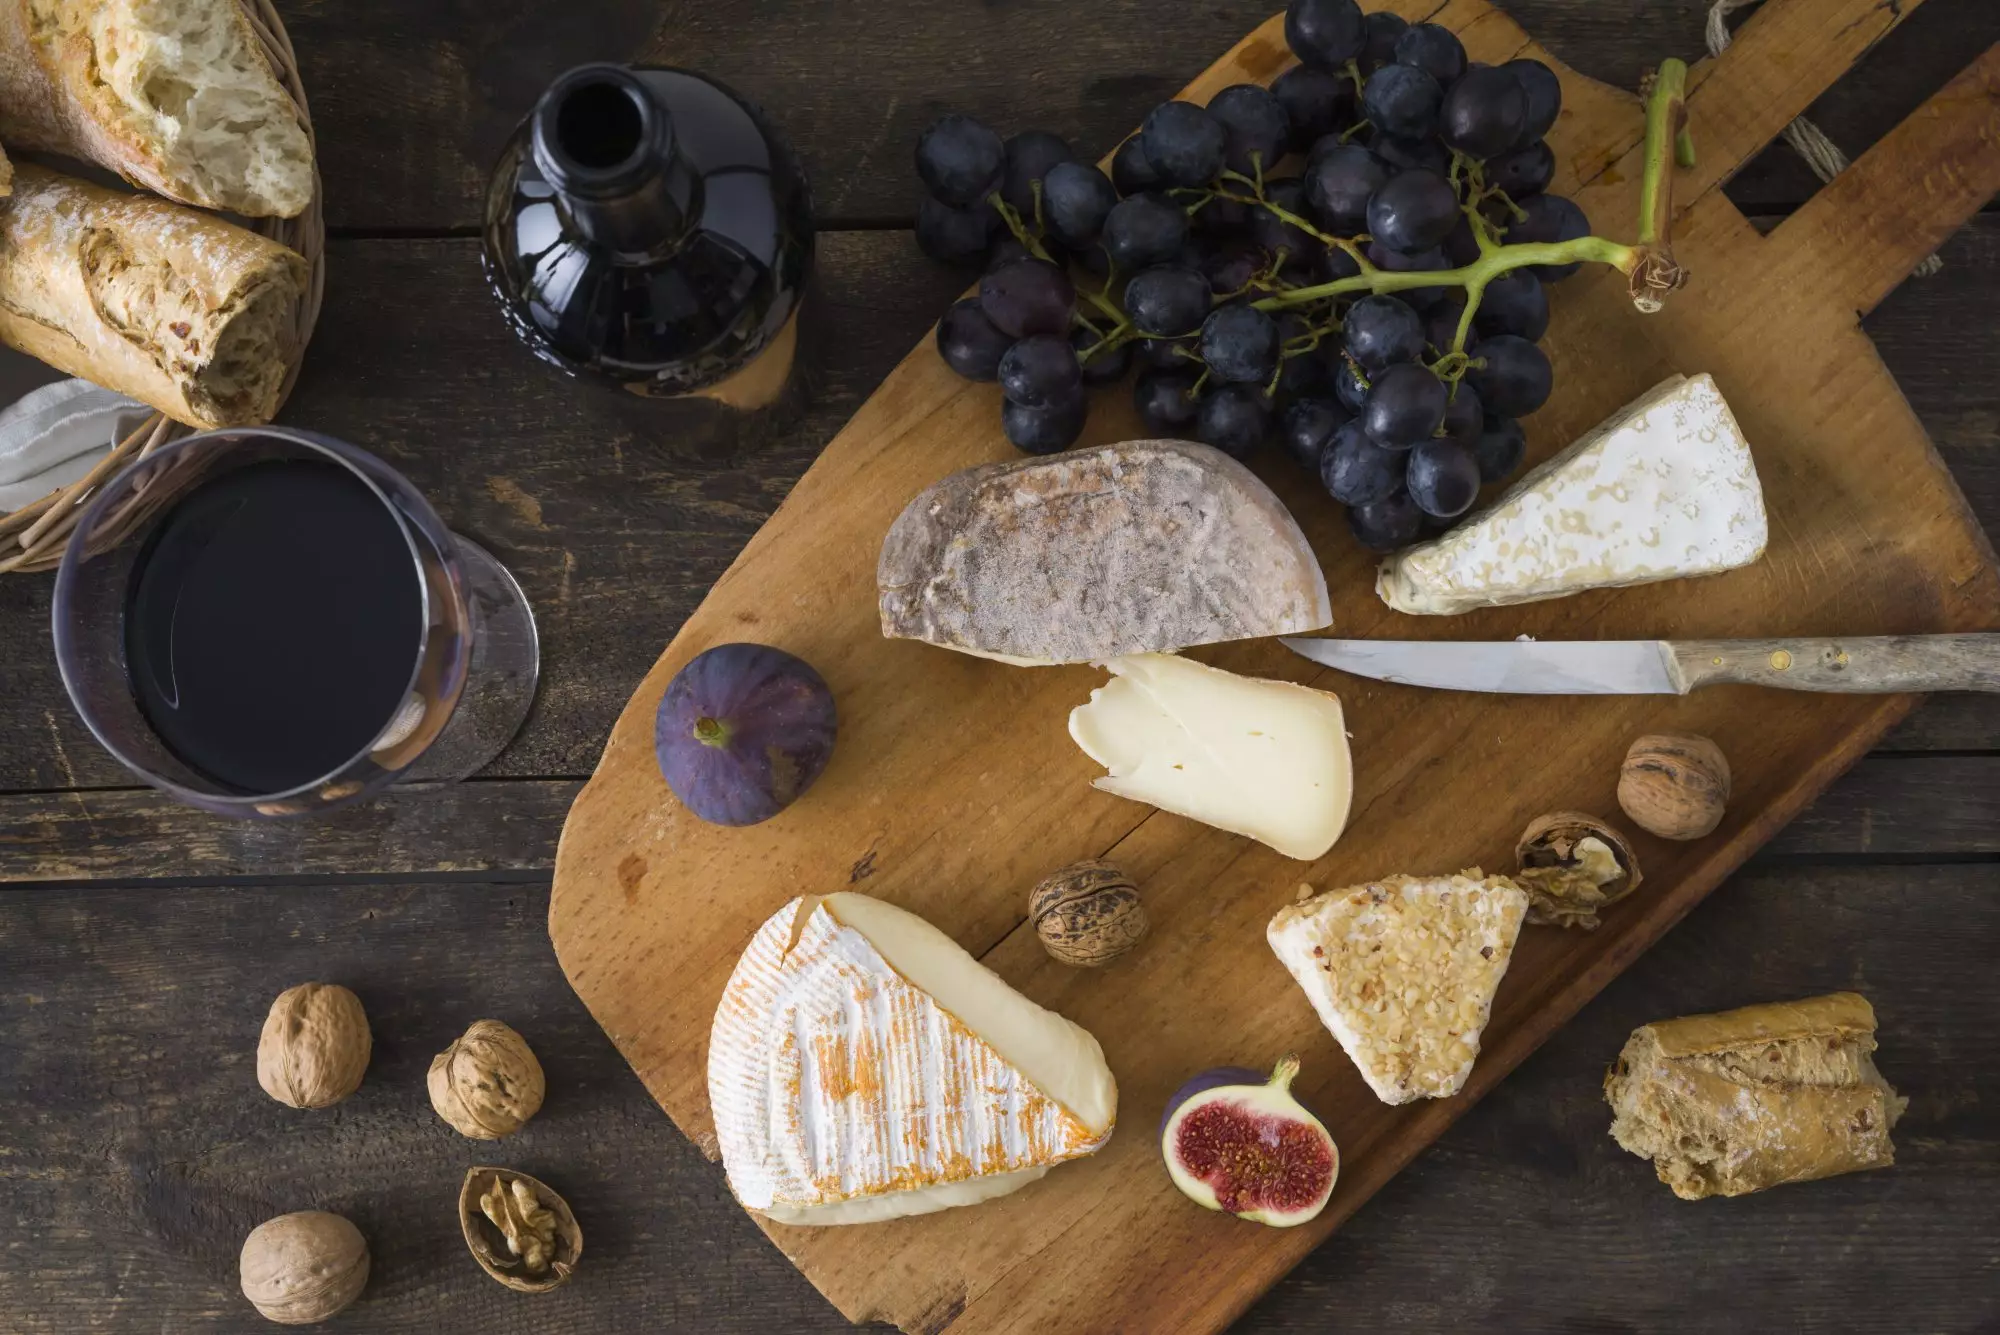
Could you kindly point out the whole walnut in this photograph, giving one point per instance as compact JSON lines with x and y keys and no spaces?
{"x":1675,"y":785}
{"x":1087,"y":913}
{"x":314,"y":1047}
{"x":488,"y":1083}
{"x":301,"y":1268}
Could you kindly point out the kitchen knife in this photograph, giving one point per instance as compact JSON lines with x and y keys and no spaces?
{"x":1861,"y":666}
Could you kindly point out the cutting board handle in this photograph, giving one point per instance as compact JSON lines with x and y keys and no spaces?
{"x":1885,"y":665}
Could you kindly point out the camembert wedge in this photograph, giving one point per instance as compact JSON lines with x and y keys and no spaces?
{"x":863,"y":1066}
{"x":1403,"y":971}
{"x":1267,"y":759}
{"x":1663,"y":489}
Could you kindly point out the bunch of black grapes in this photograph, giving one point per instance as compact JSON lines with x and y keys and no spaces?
{"x":1385,"y":136}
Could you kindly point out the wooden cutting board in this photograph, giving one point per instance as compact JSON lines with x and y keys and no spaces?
{"x":954,"y":785}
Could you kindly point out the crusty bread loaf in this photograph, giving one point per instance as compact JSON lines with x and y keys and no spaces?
{"x":1732,"y":1103}
{"x":174,"y":307}
{"x":173,"y":95}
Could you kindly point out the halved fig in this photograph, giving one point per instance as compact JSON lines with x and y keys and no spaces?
{"x":1240,"y":1143}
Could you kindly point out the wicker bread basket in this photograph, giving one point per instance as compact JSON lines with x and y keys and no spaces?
{"x":33,"y":537}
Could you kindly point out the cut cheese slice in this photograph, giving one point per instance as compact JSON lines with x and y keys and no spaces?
{"x":862,"y":1066}
{"x":1663,"y":489}
{"x":1267,"y":759}
{"x":1144,"y":547}
{"x":1403,"y":972}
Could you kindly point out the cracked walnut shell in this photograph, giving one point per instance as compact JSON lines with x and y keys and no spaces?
{"x":520,"y":1231}
{"x":315,"y":1046}
{"x":301,"y":1268}
{"x":487,"y":1084}
{"x":1572,"y":865}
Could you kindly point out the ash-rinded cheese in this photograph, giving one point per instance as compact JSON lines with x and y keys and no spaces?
{"x":862,"y":1066}
{"x":1403,"y":972}
{"x":1267,"y":759}
{"x":1144,"y":547}
{"x":1663,"y":489}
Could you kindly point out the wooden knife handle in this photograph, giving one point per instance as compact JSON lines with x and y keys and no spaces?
{"x":1884,"y":665}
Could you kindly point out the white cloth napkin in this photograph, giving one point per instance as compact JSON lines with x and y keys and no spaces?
{"x":54,"y":435}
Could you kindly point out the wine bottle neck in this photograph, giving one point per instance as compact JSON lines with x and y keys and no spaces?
{"x":608,"y":149}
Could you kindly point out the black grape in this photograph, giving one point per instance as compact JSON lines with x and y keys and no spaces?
{"x":1183,"y":143}
{"x":1545,"y":95}
{"x":1349,"y":385}
{"x":1429,"y":261}
{"x":1514,"y":303}
{"x":1076,"y":198}
{"x":1461,"y":247}
{"x":1484,"y":113}
{"x":1524,"y":171}
{"x":1325,"y":33}
{"x":1040,"y":372}
{"x":1405,"y":405}
{"x":969,"y":342}
{"x":1221,"y":219}
{"x":1240,"y":344}
{"x":1316,"y":103}
{"x":1144,"y":230}
{"x":1028,"y":296}
{"x":1230,"y":269}
{"x":1256,"y":128}
{"x":1131,"y":172}
{"x":1380,"y":331}
{"x":1386,"y":525}
{"x":1108,"y":365}
{"x":1403,"y":155}
{"x":1443,"y":478}
{"x":1305,"y":375}
{"x":960,"y":160}
{"x":1550,"y":218}
{"x":1340,"y":179}
{"x":1030,"y":154}
{"x":954,"y":236}
{"x":1433,"y":49}
{"x":1008,"y":248}
{"x":1235,"y":419}
{"x":1308,"y":427}
{"x":1441,"y":321}
{"x":1402,"y":100}
{"x":1044,"y":430}
{"x":1357,"y":471}
{"x":1169,"y":301}
{"x":1464,"y":417}
{"x":1383,"y":29}
{"x":1413,"y":212}
{"x":1273,"y":234}
{"x":1500,"y":448}
{"x":1171,"y":353}
{"x":1335,"y":265}
{"x":1512,"y":375}
{"x":1165,"y":400}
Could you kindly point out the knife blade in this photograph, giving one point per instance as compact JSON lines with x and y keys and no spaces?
{"x":1860,"y":665}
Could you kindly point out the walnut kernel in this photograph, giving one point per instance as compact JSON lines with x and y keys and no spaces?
{"x":1572,"y":865}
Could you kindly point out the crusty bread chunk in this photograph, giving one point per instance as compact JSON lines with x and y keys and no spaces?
{"x":6,"y":174}
{"x":1732,"y":1103}
{"x":174,"y":95}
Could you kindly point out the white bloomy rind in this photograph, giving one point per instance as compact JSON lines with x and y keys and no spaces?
{"x":1665,"y":488}
{"x":1266,"y":759}
{"x":863,"y":1066}
{"x":1273,"y":1099}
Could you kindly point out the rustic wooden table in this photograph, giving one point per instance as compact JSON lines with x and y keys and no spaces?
{"x":140,"y":942}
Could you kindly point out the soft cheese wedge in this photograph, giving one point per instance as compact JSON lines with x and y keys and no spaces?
{"x":1144,"y":547}
{"x":863,"y":1066}
{"x":1663,"y":489}
{"x":1403,"y":972}
{"x":1267,"y":759}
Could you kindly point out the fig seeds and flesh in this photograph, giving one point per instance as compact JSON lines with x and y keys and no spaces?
{"x":1240,"y":1143}
{"x":742,"y":732}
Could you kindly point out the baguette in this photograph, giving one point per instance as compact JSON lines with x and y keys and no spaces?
{"x":174,"y":95}
{"x":1733,"y":1103}
{"x":176,"y":308}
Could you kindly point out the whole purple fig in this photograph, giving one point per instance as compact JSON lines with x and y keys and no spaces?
{"x":742,"y":731}
{"x":1237,"y":1142}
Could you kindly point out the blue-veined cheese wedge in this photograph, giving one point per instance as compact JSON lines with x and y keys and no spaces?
{"x":863,"y":1066}
{"x":1663,"y":489}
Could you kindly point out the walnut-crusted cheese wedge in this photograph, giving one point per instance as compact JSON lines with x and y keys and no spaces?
{"x":1403,"y":971}
{"x":863,"y":1066}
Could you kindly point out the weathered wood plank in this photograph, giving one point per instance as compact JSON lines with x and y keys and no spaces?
{"x":618,"y":514}
{"x":141,"y":1150}
{"x":412,"y":102}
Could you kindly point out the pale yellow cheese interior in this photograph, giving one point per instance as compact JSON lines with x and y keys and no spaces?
{"x":1266,"y":759}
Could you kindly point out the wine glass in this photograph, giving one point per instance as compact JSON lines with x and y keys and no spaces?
{"x":150,"y":605}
